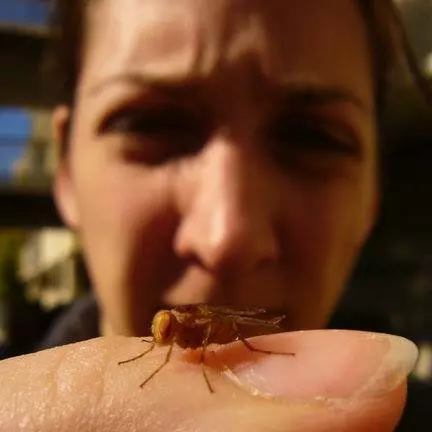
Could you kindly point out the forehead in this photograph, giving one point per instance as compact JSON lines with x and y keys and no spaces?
{"x":281,"y":40}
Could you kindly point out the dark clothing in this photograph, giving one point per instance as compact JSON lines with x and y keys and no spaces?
{"x":417,"y":415}
{"x":78,"y":323}
{"x":81,"y":322}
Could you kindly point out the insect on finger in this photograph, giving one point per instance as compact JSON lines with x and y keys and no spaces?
{"x":254,"y":349}
{"x":167,"y":359}
{"x":202,"y":358}
{"x":196,"y":326}
{"x":139,"y":355}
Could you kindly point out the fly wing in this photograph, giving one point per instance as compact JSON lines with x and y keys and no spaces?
{"x":251,"y":316}
{"x":244,"y":312}
{"x":267,"y":322}
{"x":204,"y":314}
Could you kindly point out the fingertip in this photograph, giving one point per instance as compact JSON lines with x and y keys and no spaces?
{"x":328,"y":364}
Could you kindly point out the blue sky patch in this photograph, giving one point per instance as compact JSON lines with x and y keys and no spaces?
{"x":23,"y":12}
{"x":15,"y":132}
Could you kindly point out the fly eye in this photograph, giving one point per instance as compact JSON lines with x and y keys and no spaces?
{"x":162,"y":327}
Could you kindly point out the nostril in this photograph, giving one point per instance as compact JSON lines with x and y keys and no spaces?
{"x":233,"y":250}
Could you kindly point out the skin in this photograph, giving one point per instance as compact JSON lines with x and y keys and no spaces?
{"x":324,"y":388}
{"x":236,"y":203}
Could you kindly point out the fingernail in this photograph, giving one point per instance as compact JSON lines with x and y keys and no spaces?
{"x":326,"y":364}
{"x":395,"y":367}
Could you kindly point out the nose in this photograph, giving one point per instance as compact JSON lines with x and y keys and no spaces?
{"x":227,"y":224}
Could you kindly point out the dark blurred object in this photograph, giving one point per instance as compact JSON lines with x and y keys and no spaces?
{"x":24,"y":322}
{"x":77,"y":323}
{"x":417,"y":17}
{"x":27,"y":209}
{"x":21,"y":82}
{"x":417,"y":414}
{"x":361,"y":321}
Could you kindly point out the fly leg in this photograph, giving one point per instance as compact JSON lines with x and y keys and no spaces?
{"x":153,"y":343}
{"x":202,"y":358}
{"x":252,"y":348}
{"x":167,"y":359}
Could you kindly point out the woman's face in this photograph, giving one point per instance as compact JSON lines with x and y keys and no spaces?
{"x":222,"y":151}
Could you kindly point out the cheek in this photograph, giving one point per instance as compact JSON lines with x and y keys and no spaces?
{"x":127,"y":219}
{"x":127,"y":224}
{"x":127,"y":205}
{"x":324,"y":225}
{"x":323,"y":231}
{"x":113,"y":192}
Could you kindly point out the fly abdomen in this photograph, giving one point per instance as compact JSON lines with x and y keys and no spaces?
{"x":190,"y":336}
{"x":222,"y":333}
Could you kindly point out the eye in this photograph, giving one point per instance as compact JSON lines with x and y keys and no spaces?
{"x":314,"y":137}
{"x":156,"y":134}
{"x":155,"y":121}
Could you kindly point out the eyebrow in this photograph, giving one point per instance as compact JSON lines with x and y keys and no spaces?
{"x":306,"y":95}
{"x":171,"y":84}
{"x":298,"y":94}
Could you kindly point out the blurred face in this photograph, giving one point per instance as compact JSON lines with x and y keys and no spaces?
{"x":221,"y":151}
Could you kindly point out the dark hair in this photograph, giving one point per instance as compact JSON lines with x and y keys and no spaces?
{"x":387,"y":39}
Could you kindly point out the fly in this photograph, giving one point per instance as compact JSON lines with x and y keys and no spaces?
{"x":199,"y":325}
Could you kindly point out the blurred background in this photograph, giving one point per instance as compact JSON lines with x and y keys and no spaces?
{"x":41,"y":266}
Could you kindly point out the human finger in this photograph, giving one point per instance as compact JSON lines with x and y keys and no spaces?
{"x":337,"y":380}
